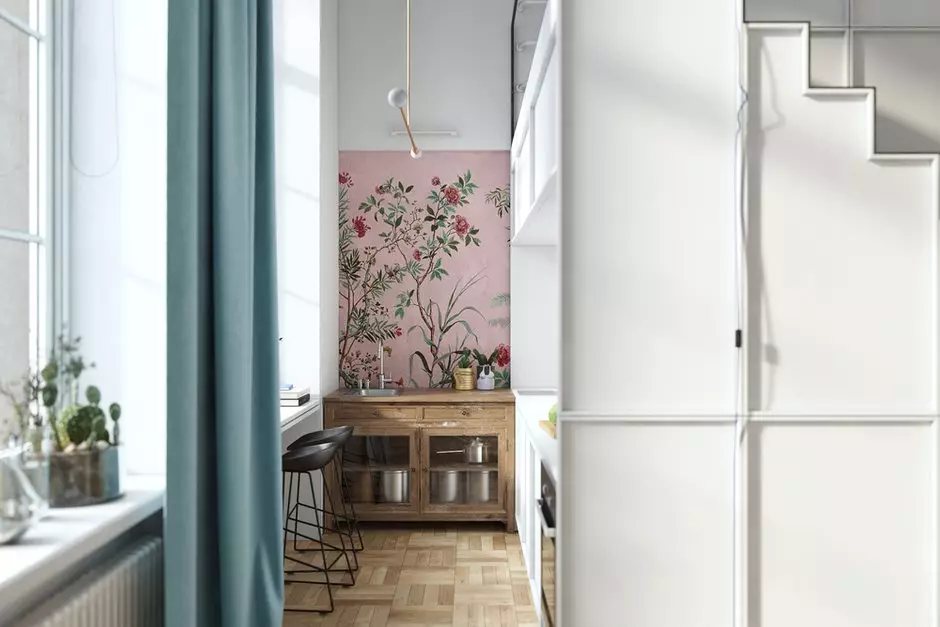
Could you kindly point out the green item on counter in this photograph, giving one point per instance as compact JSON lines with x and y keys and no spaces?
{"x":553,"y":414}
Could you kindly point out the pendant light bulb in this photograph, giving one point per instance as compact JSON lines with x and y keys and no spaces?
{"x":398,"y":98}
{"x":416,"y":153}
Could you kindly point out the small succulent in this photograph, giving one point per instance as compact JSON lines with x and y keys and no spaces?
{"x":50,"y":372}
{"x":465,"y":361}
{"x":115,"y":410}
{"x":93,"y":394}
{"x":50,"y":394}
{"x":80,"y":425}
{"x":99,"y":429}
{"x":485,"y":360}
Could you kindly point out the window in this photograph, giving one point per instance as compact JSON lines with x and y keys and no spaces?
{"x":25,"y":200}
{"x":297,"y":159}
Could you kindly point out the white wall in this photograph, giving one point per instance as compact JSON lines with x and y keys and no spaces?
{"x":118,"y":213}
{"x":889,"y":49}
{"x":460,"y":73}
{"x":534,"y":309}
{"x":329,"y":200}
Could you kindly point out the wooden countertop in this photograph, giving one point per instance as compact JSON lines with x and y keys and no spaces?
{"x":415,"y":396}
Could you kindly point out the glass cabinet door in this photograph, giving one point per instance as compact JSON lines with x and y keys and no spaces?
{"x":462,"y":469}
{"x":379,"y":469}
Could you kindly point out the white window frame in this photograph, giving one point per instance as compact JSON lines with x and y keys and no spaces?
{"x":48,"y":176}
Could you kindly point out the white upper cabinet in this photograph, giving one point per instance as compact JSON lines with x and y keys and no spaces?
{"x":522,"y":184}
{"x":535,"y":146}
{"x":545,"y":125}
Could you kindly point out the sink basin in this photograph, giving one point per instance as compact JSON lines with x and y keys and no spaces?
{"x":375,"y":392}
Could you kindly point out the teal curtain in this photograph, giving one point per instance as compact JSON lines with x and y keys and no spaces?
{"x":223,"y":506}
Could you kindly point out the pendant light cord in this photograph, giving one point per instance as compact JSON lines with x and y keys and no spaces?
{"x":408,"y":60}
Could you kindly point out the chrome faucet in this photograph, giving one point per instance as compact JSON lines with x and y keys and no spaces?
{"x":382,"y":378}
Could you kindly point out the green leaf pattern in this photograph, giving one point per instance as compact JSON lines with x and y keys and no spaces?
{"x":422,"y":237}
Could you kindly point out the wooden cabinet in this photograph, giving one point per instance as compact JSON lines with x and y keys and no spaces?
{"x":409,"y":461}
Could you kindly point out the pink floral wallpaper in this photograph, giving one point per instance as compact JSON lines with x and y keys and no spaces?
{"x":424,"y":263}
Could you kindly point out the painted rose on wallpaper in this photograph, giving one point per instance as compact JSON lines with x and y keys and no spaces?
{"x":424,"y":264}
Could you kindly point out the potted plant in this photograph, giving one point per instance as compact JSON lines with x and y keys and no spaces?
{"x":79,"y":442}
{"x":487,"y":378}
{"x":463,"y":373}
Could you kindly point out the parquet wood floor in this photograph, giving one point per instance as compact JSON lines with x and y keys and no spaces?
{"x":455,"y":576}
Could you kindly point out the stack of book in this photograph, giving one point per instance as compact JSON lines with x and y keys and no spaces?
{"x":294,"y":397}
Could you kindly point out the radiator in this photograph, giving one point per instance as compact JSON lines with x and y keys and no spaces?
{"x":126,"y":591}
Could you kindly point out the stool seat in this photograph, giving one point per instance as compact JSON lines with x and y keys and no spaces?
{"x":339,"y":435}
{"x":308,"y":458}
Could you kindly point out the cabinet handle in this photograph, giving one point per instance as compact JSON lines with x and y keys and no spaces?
{"x":464,"y":412}
{"x":448,"y":424}
{"x":424,"y":469}
{"x":412,"y":470}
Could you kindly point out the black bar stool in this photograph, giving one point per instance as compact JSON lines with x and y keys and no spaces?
{"x":338,"y":435}
{"x":305,"y":461}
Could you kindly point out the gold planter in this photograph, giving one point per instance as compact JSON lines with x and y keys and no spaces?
{"x":463,"y":379}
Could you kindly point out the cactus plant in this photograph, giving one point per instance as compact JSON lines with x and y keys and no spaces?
{"x":80,"y":425}
{"x":115,"y":410}
{"x":99,"y":430}
{"x":50,"y":372}
{"x":53,"y":393}
{"x":93,"y":394}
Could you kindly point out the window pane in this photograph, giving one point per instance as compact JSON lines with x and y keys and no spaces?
{"x":15,"y":126}
{"x":21,"y":313}
{"x":22,"y":10}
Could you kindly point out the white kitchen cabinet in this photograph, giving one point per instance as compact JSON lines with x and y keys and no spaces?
{"x":522,"y":184}
{"x":535,"y":276}
{"x":544,"y":124}
{"x":535,"y":448}
{"x":535,"y":145}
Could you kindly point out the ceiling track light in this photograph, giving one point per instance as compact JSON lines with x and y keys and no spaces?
{"x":401,"y":98}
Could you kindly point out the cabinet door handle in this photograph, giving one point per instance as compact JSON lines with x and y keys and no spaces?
{"x":464,"y":412}
{"x":424,"y":469}
{"x":412,"y":470}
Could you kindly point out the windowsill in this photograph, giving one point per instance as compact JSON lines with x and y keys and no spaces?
{"x":65,"y":537}
{"x":290,"y":416}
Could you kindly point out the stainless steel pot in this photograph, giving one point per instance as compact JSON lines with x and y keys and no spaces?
{"x":475,"y":452}
{"x":395,"y":486}
{"x":478,"y":486}
{"x":445,"y":487}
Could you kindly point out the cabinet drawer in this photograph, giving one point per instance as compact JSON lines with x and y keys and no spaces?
{"x":457,"y":412}
{"x":373,"y":412}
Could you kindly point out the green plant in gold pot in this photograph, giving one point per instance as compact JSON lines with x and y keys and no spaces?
{"x":463,"y":372}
